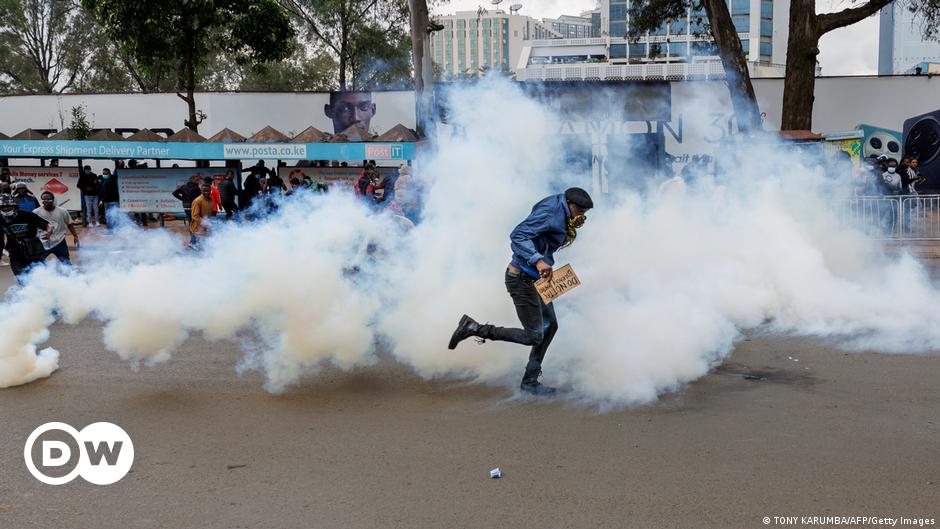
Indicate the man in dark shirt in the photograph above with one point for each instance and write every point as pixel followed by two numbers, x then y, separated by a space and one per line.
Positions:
pixel 228 192
pixel 19 235
pixel 90 185
pixel 552 225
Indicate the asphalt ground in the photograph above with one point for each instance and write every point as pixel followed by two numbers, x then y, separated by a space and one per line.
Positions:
pixel 785 427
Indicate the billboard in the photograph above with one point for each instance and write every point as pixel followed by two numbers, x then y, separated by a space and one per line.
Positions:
pixel 61 181
pixel 151 190
pixel 329 175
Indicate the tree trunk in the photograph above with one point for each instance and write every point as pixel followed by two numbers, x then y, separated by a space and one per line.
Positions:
pixel 743 100
pixel 343 44
pixel 419 33
pixel 193 124
pixel 800 82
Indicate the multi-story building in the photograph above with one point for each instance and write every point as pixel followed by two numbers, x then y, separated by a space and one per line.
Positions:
pixel 901 45
pixel 677 49
pixel 572 27
pixel 474 42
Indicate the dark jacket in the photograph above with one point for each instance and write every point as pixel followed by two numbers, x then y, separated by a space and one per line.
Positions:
pixel 187 193
pixel 109 189
pixel 227 191
pixel 88 183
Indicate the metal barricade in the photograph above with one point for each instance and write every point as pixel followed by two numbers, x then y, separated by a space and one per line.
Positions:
pixel 907 217
pixel 920 217
pixel 878 217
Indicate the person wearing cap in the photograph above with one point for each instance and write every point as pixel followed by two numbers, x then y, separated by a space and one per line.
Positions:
pixel 25 199
pixel 19 234
pixel 552 225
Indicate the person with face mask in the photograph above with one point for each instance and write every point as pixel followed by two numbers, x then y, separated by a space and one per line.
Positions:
pixel 891 178
pixel 552 225
pixel 59 222
pixel 19 235
pixel 109 197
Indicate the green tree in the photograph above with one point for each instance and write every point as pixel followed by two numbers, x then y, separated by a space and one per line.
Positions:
pixel 307 69
pixel 368 39
pixel 184 34
pixel 43 47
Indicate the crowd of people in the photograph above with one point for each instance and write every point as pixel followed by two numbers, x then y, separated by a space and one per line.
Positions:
pixel 881 175
pixel 33 229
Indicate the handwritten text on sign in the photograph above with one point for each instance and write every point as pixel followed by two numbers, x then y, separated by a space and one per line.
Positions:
pixel 563 280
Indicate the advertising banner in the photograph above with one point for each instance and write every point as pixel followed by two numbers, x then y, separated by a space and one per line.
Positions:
pixel 205 151
pixel 328 175
pixel 61 181
pixel 151 190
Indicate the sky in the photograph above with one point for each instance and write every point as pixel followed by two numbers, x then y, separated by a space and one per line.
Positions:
pixel 848 51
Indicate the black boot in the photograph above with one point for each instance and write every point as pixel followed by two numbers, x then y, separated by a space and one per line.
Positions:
pixel 532 386
pixel 466 328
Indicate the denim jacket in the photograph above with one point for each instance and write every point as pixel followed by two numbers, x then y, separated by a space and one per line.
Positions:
pixel 541 234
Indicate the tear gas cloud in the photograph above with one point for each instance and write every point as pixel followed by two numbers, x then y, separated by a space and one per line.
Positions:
pixel 670 278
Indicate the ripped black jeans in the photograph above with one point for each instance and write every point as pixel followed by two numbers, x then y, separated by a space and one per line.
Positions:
pixel 538 322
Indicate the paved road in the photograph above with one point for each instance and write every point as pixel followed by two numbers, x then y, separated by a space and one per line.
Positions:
pixel 832 434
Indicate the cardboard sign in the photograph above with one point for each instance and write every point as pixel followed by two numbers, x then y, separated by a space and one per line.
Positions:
pixel 563 280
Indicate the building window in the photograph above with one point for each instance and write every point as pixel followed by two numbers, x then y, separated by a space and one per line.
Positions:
pixel 618 11
pixel 678 49
pixel 766 28
pixel 740 7
pixel 742 23
pixel 766 50
pixel 638 50
pixel 766 9
pixel 618 51
pixel 699 23
pixel 660 31
pixel 746 46
pixel 656 50
pixel 704 48
pixel 618 29
pixel 678 27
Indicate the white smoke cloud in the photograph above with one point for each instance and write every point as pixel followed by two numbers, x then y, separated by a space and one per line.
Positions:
pixel 670 281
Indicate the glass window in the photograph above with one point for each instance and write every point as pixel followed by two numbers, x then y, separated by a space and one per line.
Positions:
pixel 638 50
pixel 766 28
pixel 742 23
pixel 678 49
pixel 699 21
pixel 618 29
pixel 678 27
pixel 461 24
pixel 746 46
pixel 618 51
pixel 706 48
pixel 618 11
pixel 740 7
pixel 660 31
pixel 656 50
pixel 766 49
pixel 767 9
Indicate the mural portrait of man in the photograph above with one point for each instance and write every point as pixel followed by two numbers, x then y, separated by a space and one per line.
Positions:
pixel 350 108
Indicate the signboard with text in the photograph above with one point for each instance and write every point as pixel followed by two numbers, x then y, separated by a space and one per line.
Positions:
pixel 61 181
pixel 151 190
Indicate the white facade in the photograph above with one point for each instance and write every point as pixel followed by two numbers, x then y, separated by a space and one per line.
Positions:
pixel 901 45
pixel 682 45
pixel 473 42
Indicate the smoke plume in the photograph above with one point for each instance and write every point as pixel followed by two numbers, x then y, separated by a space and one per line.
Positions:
pixel 670 280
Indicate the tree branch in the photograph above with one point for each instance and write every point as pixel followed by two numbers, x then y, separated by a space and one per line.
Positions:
pixel 830 21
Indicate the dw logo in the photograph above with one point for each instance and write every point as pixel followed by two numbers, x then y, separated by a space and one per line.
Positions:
pixel 102 453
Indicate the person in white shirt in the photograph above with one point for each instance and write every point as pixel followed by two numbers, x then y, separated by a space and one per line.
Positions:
pixel 59 221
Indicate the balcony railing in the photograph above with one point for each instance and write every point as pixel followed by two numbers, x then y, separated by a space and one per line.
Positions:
pixel 625 72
